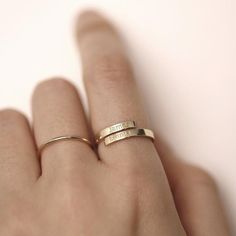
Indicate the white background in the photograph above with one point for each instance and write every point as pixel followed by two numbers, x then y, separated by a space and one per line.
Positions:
pixel 184 54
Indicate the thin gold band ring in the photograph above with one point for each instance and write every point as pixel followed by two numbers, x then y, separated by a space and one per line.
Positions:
pixel 63 138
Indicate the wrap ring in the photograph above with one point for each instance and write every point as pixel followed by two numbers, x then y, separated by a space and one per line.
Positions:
pixel 122 130
pixel 114 129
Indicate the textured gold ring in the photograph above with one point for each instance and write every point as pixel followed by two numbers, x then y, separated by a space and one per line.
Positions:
pixel 114 129
pixel 63 138
pixel 125 134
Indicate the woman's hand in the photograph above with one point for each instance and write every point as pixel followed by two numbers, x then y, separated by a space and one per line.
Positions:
pixel 120 190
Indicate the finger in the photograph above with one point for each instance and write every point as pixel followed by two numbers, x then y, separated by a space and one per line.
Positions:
pixel 112 91
pixel 19 164
pixel 57 111
pixel 196 197
pixel 113 98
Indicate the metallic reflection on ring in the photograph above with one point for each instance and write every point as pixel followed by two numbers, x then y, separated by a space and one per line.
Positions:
pixel 114 129
pixel 147 133
pixel 64 138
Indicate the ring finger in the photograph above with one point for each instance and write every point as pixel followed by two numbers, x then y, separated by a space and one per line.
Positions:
pixel 57 111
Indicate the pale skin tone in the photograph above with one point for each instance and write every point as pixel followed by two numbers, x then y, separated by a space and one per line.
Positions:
pixel 133 187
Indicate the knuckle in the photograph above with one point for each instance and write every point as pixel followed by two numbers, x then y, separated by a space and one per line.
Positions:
pixel 203 177
pixel 12 122
pixel 71 195
pixel 139 178
pixel 71 187
pixel 110 69
pixel 17 220
pixel 139 187
pixel 66 196
pixel 53 84
pixel 10 116
pixel 199 177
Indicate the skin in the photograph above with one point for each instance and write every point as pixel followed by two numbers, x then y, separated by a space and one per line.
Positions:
pixel 126 188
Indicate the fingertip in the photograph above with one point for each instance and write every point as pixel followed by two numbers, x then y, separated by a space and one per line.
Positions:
pixel 92 21
pixel 90 14
pixel 89 18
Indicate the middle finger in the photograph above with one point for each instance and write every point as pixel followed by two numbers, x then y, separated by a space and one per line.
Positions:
pixel 112 91
pixel 113 97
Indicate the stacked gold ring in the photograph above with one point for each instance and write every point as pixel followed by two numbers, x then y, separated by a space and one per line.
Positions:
pixel 114 129
pixel 109 135
pixel 123 130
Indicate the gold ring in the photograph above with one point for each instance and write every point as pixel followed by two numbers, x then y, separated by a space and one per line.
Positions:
pixel 114 129
pixel 147 133
pixel 63 138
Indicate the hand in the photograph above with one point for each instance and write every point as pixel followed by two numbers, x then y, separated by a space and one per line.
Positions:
pixel 119 190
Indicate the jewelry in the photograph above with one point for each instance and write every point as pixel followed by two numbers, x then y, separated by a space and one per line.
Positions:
pixel 147 133
pixel 114 129
pixel 63 138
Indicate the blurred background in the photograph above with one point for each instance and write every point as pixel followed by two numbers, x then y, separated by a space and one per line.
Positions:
pixel 184 56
